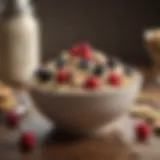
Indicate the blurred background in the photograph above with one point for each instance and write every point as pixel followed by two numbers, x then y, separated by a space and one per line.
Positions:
pixel 115 26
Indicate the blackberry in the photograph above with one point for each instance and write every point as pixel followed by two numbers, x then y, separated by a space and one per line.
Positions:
pixel 43 75
pixel 98 70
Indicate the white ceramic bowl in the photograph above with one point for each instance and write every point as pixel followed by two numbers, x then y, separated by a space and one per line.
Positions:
pixel 89 110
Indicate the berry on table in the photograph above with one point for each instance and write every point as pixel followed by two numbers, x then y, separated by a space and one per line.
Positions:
pixel 13 119
pixel 114 80
pixel 99 70
pixel 63 76
pixel 143 131
pixel 43 75
pixel 27 142
pixel 92 83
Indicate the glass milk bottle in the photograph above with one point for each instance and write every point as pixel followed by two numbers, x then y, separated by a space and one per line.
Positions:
pixel 19 42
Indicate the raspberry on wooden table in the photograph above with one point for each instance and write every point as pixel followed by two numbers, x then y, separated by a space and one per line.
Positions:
pixel 143 131
pixel 28 141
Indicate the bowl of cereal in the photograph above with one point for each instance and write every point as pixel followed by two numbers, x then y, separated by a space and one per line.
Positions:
pixel 84 90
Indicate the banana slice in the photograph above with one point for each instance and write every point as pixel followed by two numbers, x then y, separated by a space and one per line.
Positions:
pixel 8 104
pixel 145 111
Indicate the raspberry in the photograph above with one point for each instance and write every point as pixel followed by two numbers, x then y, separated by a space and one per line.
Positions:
pixel 92 83
pixel 74 51
pixel 63 76
pixel 143 131
pixel 13 119
pixel 28 141
pixel 114 80
pixel 86 52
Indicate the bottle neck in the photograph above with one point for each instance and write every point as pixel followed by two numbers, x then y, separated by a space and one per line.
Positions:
pixel 23 6
pixel 18 7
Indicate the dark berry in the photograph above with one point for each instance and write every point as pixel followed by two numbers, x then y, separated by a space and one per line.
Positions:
pixel 114 80
pixel 27 142
pixel 63 76
pixel 143 131
pixel 112 63
pixel 43 75
pixel 92 83
pixel 83 64
pixel 61 63
pixel 99 70
pixel 128 70
pixel 13 119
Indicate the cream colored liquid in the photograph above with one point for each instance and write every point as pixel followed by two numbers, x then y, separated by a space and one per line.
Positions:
pixel 19 43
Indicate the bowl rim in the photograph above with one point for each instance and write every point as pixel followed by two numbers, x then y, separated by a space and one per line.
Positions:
pixel 91 93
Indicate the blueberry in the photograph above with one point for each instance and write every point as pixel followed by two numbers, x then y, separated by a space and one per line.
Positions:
pixel 83 64
pixel 112 63
pixel 98 70
pixel 61 63
pixel 43 75
pixel 128 70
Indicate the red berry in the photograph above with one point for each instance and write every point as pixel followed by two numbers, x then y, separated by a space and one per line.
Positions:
pixel 86 51
pixel 115 80
pixel 28 141
pixel 74 51
pixel 92 83
pixel 63 76
pixel 143 131
pixel 13 119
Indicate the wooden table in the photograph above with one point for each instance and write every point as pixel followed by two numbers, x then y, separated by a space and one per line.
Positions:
pixel 70 147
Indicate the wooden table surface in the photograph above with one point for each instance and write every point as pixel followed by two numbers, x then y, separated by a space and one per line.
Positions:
pixel 70 147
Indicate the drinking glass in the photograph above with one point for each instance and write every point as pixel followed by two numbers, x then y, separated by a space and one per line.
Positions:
pixel 152 44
